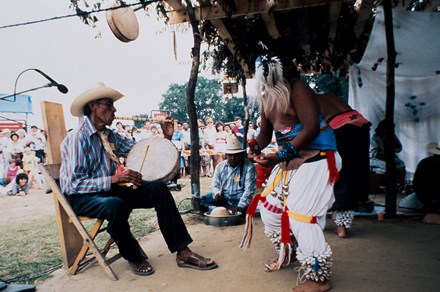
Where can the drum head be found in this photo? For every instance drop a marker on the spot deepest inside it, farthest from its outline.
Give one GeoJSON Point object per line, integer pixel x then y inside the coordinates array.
{"type": "Point", "coordinates": [161, 160]}
{"type": "Point", "coordinates": [123, 23]}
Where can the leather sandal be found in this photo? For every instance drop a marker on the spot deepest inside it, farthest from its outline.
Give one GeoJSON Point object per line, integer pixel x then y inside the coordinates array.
{"type": "Point", "coordinates": [141, 269]}
{"type": "Point", "coordinates": [195, 261]}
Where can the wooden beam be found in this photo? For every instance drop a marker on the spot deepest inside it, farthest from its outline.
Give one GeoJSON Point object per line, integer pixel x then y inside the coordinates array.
{"type": "Point", "coordinates": [271, 26]}
{"type": "Point", "coordinates": [227, 39]}
{"type": "Point", "coordinates": [432, 5]}
{"type": "Point", "coordinates": [365, 11]}
{"type": "Point", "coordinates": [269, 19]}
{"type": "Point", "coordinates": [243, 7]}
{"type": "Point", "coordinates": [334, 12]}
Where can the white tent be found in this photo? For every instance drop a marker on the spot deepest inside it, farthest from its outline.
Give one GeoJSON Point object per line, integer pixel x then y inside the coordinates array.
{"type": "Point", "coordinates": [417, 81]}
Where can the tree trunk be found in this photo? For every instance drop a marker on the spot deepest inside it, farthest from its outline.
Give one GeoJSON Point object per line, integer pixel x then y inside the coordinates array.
{"type": "Point", "coordinates": [190, 106]}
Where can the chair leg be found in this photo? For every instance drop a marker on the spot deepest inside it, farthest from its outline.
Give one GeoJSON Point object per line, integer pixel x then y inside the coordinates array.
{"type": "Point", "coordinates": [89, 244]}
{"type": "Point", "coordinates": [85, 248]}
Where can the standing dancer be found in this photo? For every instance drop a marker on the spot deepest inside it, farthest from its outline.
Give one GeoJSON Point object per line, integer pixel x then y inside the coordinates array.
{"type": "Point", "coordinates": [352, 133]}
{"type": "Point", "coordinates": [306, 167]}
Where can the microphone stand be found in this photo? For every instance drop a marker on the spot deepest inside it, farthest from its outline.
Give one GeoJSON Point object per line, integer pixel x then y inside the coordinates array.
{"type": "Point", "coordinates": [52, 83]}
{"type": "Point", "coordinates": [24, 91]}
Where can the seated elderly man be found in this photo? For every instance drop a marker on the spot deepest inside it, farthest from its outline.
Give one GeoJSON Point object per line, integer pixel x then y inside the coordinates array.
{"type": "Point", "coordinates": [234, 182]}
{"type": "Point", "coordinates": [94, 189]}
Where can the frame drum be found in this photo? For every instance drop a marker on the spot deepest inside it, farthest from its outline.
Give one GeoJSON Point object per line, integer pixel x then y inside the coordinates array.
{"type": "Point", "coordinates": [123, 23]}
{"type": "Point", "coordinates": [158, 158]}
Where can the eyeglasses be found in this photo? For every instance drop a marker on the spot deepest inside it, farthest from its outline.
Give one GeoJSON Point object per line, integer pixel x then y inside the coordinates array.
{"type": "Point", "coordinates": [107, 104]}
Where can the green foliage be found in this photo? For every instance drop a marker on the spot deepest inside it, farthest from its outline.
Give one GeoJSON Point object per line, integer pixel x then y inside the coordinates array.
{"type": "Point", "coordinates": [140, 124]}
{"type": "Point", "coordinates": [208, 100]}
{"type": "Point", "coordinates": [329, 83]}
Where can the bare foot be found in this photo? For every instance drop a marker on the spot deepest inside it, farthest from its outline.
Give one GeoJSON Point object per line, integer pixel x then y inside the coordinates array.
{"type": "Point", "coordinates": [313, 286]}
{"type": "Point", "coordinates": [334, 216]}
{"type": "Point", "coordinates": [271, 266]}
{"type": "Point", "coordinates": [341, 231]}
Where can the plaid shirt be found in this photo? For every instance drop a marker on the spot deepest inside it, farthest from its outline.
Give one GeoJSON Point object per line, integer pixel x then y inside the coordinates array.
{"type": "Point", "coordinates": [86, 167]}
{"type": "Point", "coordinates": [236, 187]}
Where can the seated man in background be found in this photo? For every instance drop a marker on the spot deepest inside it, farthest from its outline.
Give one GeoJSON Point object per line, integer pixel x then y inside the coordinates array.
{"type": "Point", "coordinates": [426, 181]}
{"type": "Point", "coordinates": [377, 154]}
{"type": "Point", "coordinates": [234, 181]}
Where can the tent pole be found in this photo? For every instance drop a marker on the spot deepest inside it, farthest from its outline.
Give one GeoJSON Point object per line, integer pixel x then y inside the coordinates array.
{"type": "Point", "coordinates": [390, 174]}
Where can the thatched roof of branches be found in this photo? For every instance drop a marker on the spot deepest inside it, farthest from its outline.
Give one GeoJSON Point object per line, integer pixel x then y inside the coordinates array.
{"type": "Point", "coordinates": [319, 35]}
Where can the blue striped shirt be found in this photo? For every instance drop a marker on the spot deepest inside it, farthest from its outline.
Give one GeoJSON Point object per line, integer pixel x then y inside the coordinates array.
{"type": "Point", "coordinates": [85, 165]}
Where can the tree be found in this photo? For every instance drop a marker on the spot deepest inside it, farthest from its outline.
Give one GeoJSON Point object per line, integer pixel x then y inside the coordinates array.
{"type": "Point", "coordinates": [209, 101]}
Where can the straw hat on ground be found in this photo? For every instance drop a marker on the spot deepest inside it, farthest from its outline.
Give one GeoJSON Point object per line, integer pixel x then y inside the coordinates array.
{"type": "Point", "coordinates": [434, 148]}
{"type": "Point", "coordinates": [233, 146]}
{"type": "Point", "coordinates": [97, 91]}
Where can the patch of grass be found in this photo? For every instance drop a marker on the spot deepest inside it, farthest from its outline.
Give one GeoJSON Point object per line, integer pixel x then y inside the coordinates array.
{"type": "Point", "coordinates": [30, 251]}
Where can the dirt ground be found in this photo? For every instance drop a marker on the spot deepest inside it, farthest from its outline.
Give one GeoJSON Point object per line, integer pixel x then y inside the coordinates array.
{"type": "Point", "coordinates": [398, 254]}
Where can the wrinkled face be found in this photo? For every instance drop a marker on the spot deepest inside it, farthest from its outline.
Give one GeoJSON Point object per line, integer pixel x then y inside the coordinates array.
{"type": "Point", "coordinates": [103, 111]}
{"type": "Point", "coordinates": [234, 159]}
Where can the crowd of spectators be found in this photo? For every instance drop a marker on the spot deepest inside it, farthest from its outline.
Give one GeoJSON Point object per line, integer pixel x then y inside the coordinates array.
{"type": "Point", "coordinates": [212, 139]}
{"type": "Point", "coordinates": [20, 153]}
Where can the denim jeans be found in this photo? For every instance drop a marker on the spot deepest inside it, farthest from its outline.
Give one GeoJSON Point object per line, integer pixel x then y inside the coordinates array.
{"type": "Point", "coordinates": [115, 205]}
{"type": "Point", "coordinates": [208, 203]}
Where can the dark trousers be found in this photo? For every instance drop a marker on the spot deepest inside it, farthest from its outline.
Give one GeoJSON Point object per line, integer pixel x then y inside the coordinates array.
{"type": "Point", "coordinates": [114, 206]}
{"type": "Point", "coordinates": [353, 184]}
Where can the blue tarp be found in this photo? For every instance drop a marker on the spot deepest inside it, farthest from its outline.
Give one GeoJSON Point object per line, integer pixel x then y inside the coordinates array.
{"type": "Point", "coordinates": [22, 104]}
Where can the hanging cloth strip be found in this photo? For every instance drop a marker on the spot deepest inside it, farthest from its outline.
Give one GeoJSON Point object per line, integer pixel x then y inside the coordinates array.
{"type": "Point", "coordinates": [248, 228]}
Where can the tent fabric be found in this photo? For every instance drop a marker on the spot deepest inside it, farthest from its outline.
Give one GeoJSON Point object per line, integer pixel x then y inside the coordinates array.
{"type": "Point", "coordinates": [416, 39]}
{"type": "Point", "coordinates": [417, 81]}
{"type": "Point", "coordinates": [22, 104]}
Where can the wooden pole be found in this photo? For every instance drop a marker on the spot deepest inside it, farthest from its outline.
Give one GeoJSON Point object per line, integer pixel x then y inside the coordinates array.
{"type": "Point", "coordinates": [390, 174]}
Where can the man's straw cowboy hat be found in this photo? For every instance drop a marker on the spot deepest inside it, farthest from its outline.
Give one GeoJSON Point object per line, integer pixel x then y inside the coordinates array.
{"type": "Point", "coordinates": [97, 91]}
{"type": "Point", "coordinates": [233, 146]}
{"type": "Point", "coordinates": [434, 148]}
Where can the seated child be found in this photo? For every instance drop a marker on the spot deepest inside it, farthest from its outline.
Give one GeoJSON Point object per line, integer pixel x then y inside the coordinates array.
{"type": "Point", "coordinates": [20, 186]}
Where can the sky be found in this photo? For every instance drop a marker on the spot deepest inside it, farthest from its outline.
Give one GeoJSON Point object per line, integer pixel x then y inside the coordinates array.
{"type": "Point", "coordinates": [71, 53]}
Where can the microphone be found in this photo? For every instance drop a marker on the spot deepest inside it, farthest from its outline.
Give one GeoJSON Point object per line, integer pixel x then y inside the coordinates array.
{"type": "Point", "coordinates": [61, 87]}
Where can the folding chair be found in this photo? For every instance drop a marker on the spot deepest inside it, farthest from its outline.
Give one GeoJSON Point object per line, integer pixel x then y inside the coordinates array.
{"type": "Point", "coordinates": [75, 239]}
